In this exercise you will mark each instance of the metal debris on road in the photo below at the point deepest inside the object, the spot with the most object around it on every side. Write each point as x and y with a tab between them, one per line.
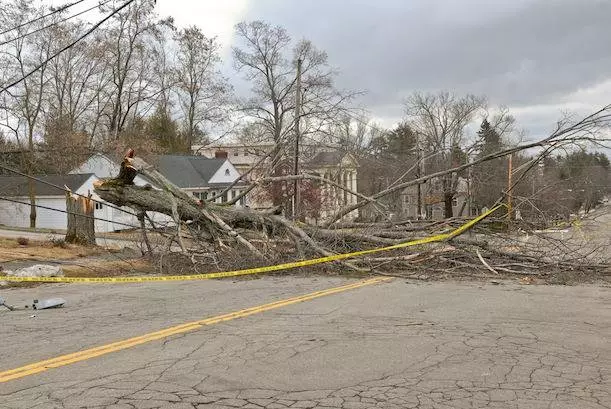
48	303
4	304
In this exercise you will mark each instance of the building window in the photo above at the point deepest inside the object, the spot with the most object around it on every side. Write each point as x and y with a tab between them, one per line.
245	153
204	195
454	202
98	206
236	153
227	172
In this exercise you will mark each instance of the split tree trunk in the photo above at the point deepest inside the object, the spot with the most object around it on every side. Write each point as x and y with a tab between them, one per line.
81	222
32	196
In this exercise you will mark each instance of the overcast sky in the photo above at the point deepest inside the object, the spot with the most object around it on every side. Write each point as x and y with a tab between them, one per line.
538	57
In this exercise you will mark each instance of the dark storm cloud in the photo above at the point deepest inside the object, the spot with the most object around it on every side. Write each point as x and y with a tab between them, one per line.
517	52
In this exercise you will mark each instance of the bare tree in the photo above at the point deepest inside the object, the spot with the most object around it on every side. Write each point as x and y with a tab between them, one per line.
203	93
25	104
269	60
440	121
128	47
74	79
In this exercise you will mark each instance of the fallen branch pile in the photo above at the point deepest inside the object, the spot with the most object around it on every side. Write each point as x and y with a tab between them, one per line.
211	237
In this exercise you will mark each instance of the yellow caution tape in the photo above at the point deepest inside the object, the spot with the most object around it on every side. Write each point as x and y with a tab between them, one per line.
257	270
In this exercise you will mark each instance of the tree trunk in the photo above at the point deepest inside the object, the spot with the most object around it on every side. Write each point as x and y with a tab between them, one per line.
447	201
32	195
31	182
81	222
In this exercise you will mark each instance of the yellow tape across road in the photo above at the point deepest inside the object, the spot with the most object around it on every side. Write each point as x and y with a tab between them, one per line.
258	270
63	360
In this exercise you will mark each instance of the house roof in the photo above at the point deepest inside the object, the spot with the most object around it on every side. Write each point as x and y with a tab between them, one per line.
18	185
188	171
327	158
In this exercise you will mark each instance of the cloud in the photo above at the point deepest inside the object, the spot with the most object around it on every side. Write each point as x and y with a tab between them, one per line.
525	54
215	18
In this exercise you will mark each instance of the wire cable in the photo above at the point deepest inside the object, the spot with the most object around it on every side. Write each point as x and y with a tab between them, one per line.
67	212
54	11
44	182
88	32
54	23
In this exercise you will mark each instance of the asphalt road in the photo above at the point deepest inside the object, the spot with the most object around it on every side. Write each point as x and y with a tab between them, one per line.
385	345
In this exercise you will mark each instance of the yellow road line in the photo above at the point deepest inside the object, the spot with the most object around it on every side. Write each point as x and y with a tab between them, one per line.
63	360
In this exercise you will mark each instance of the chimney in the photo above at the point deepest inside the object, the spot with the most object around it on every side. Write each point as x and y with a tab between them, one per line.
220	154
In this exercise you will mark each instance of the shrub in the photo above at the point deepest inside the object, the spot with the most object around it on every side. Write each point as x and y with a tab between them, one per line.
22	241
59	243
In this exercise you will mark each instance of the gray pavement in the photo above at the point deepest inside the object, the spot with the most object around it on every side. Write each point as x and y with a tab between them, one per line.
391	345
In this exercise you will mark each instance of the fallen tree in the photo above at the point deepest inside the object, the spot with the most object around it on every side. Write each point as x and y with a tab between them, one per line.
208	230
223	226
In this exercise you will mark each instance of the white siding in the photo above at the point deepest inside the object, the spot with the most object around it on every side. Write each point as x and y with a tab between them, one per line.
18	215
227	173
104	167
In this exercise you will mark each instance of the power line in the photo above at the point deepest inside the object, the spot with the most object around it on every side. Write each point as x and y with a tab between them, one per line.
91	30
55	11
67	212
44	182
55	23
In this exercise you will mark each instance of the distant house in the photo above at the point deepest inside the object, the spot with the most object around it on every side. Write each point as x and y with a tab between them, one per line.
202	177
333	164
432	203
242	156
339	167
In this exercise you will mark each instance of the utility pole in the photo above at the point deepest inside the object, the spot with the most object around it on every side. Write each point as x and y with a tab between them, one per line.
418	175
297	137
509	183
469	188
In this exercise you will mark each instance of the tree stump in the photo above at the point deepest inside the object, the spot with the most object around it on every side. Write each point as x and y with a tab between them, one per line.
81	221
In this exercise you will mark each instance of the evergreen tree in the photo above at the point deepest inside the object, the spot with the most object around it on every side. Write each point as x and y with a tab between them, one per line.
489	178
162	127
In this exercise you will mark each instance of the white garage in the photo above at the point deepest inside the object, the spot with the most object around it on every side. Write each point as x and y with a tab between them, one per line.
51	202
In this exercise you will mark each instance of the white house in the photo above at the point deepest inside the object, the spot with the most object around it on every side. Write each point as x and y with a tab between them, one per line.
341	168
111	218
202	177
49	199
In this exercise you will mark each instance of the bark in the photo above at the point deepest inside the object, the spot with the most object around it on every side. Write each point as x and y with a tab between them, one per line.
32	197
224	225
81	227
447	205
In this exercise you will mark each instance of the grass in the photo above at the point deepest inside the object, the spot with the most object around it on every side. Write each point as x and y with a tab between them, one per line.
11	250
106	268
